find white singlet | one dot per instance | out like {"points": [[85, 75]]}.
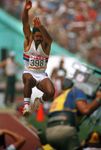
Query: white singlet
{"points": [[35, 62]]}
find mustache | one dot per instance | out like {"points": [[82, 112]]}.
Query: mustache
{"points": [[39, 41]]}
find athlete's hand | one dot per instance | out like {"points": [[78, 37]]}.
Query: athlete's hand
{"points": [[28, 4], [36, 22]]}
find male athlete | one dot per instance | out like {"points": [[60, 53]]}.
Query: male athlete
{"points": [[37, 47]]}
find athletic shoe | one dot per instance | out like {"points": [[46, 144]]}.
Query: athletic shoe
{"points": [[26, 110], [37, 103]]}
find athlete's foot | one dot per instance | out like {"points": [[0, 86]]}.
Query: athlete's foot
{"points": [[26, 110], [37, 103]]}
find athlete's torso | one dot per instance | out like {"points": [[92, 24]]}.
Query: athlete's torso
{"points": [[35, 59]]}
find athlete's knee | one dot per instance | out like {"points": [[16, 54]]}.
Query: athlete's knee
{"points": [[50, 92]]}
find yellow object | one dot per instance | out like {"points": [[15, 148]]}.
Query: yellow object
{"points": [[58, 103], [47, 147], [94, 138]]}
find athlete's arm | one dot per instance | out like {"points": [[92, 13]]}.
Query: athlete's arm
{"points": [[37, 23], [45, 34], [25, 20]]}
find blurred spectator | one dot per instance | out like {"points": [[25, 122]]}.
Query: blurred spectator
{"points": [[95, 55], [62, 126], [18, 140], [58, 74], [10, 67]]}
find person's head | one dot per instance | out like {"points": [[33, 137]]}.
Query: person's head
{"points": [[61, 65], [12, 55], [67, 83], [37, 36]]}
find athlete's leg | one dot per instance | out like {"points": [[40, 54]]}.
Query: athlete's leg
{"points": [[47, 87], [29, 83]]}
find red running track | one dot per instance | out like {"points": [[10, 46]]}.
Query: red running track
{"points": [[11, 122]]}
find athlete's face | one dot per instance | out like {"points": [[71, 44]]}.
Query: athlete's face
{"points": [[37, 37]]}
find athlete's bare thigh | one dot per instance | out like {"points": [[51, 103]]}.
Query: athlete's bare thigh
{"points": [[27, 77], [45, 85]]}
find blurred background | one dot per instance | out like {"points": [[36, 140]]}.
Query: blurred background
{"points": [[75, 26]]}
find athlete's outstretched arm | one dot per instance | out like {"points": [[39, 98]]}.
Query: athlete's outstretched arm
{"points": [[45, 34], [37, 23], [25, 19]]}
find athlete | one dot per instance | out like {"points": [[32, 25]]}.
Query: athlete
{"points": [[37, 46]]}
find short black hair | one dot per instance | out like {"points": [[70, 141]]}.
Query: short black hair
{"points": [[67, 83], [34, 30]]}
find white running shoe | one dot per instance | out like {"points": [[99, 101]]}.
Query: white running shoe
{"points": [[26, 110]]}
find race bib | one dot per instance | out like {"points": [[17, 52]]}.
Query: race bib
{"points": [[38, 62]]}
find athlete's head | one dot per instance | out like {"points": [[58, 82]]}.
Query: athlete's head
{"points": [[37, 36]]}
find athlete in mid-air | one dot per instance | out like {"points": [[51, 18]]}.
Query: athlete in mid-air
{"points": [[37, 46]]}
